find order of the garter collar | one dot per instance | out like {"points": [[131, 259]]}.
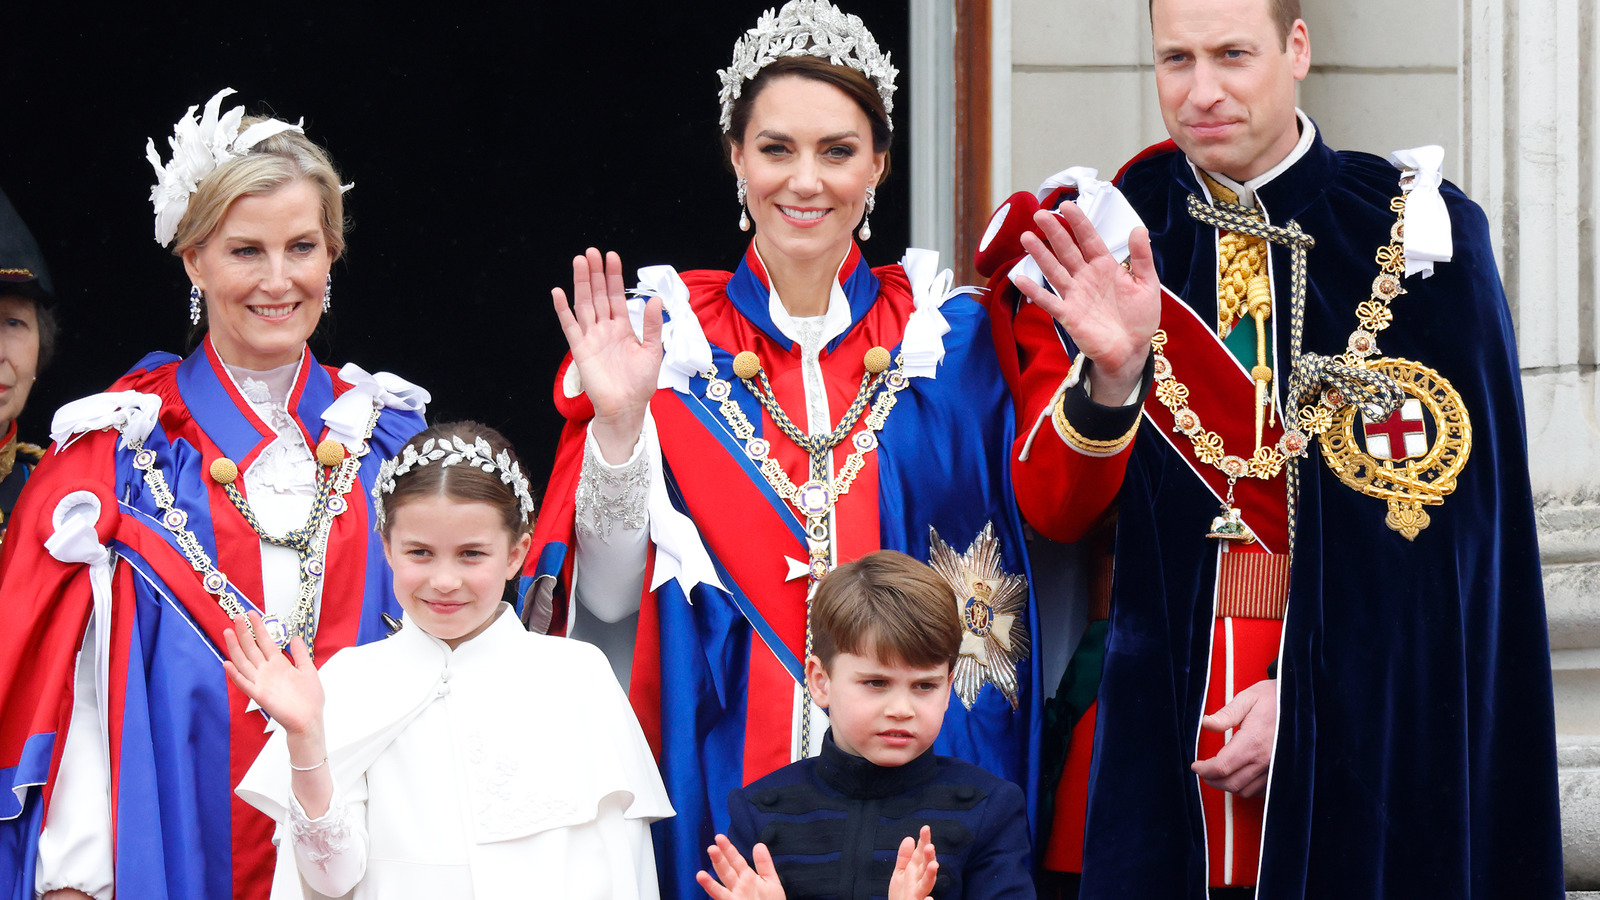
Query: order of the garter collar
{"points": [[806, 28]]}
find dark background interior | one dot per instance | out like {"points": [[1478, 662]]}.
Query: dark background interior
{"points": [[486, 148]]}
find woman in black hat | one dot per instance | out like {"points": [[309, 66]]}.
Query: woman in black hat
{"points": [[27, 341]]}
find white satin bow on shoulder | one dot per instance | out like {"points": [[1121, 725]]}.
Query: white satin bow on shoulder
{"points": [[683, 342], [347, 416], [133, 413], [1428, 238], [922, 347]]}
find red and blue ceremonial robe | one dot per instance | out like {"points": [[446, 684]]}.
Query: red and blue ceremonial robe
{"points": [[714, 672], [180, 736]]}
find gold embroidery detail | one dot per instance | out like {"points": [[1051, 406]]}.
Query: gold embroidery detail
{"points": [[1088, 445]]}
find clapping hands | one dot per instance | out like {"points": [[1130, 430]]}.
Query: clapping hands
{"points": [[737, 879], [915, 870]]}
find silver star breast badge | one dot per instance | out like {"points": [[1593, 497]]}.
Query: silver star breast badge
{"points": [[990, 602]]}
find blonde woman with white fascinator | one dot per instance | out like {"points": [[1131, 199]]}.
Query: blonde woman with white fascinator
{"points": [[193, 490], [733, 436]]}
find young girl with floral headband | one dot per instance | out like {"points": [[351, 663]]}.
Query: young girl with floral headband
{"points": [[463, 756]]}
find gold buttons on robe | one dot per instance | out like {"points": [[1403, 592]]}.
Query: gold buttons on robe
{"points": [[224, 470], [877, 360], [746, 365], [330, 453]]}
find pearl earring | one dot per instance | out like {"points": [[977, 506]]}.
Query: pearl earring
{"points": [[866, 223]]}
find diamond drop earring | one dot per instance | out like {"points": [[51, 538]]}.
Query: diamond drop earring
{"points": [[196, 297], [744, 218], [327, 293], [866, 223]]}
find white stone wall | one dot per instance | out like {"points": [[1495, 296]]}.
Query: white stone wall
{"points": [[1529, 116], [1509, 88]]}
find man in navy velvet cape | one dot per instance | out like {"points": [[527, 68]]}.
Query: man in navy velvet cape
{"points": [[1400, 737]]}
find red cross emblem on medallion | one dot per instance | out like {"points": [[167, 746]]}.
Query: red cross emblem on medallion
{"points": [[1401, 436]]}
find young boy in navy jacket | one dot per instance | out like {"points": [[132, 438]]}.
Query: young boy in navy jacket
{"points": [[862, 819]]}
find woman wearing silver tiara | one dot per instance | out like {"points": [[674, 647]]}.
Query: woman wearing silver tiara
{"points": [[193, 490], [791, 415]]}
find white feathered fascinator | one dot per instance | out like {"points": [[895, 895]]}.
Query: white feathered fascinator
{"points": [[199, 146]]}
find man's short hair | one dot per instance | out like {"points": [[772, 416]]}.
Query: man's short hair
{"points": [[888, 605], [1284, 14]]}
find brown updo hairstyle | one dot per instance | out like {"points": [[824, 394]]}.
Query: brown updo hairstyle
{"points": [[460, 482], [854, 84]]}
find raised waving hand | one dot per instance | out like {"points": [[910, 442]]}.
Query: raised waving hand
{"points": [[618, 368], [1111, 312], [290, 691]]}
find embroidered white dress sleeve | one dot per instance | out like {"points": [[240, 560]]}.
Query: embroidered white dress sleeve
{"points": [[612, 511], [330, 851], [613, 522]]}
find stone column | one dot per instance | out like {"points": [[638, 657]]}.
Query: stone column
{"points": [[1529, 119]]}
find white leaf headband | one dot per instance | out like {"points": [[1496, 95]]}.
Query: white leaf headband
{"points": [[806, 28], [449, 451], [199, 146]]}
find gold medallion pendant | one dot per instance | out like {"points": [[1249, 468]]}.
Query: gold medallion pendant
{"points": [[1412, 458], [990, 602]]}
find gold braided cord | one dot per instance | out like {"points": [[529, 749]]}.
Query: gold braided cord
{"points": [[1244, 288], [817, 446], [8, 458], [1242, 279], [1088, 445]]}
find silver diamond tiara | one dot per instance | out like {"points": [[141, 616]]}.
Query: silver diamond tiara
{"points": [[806, 28], [448, 452]]}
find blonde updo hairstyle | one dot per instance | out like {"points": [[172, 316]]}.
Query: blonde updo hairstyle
{"points": [[279, 160]]}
